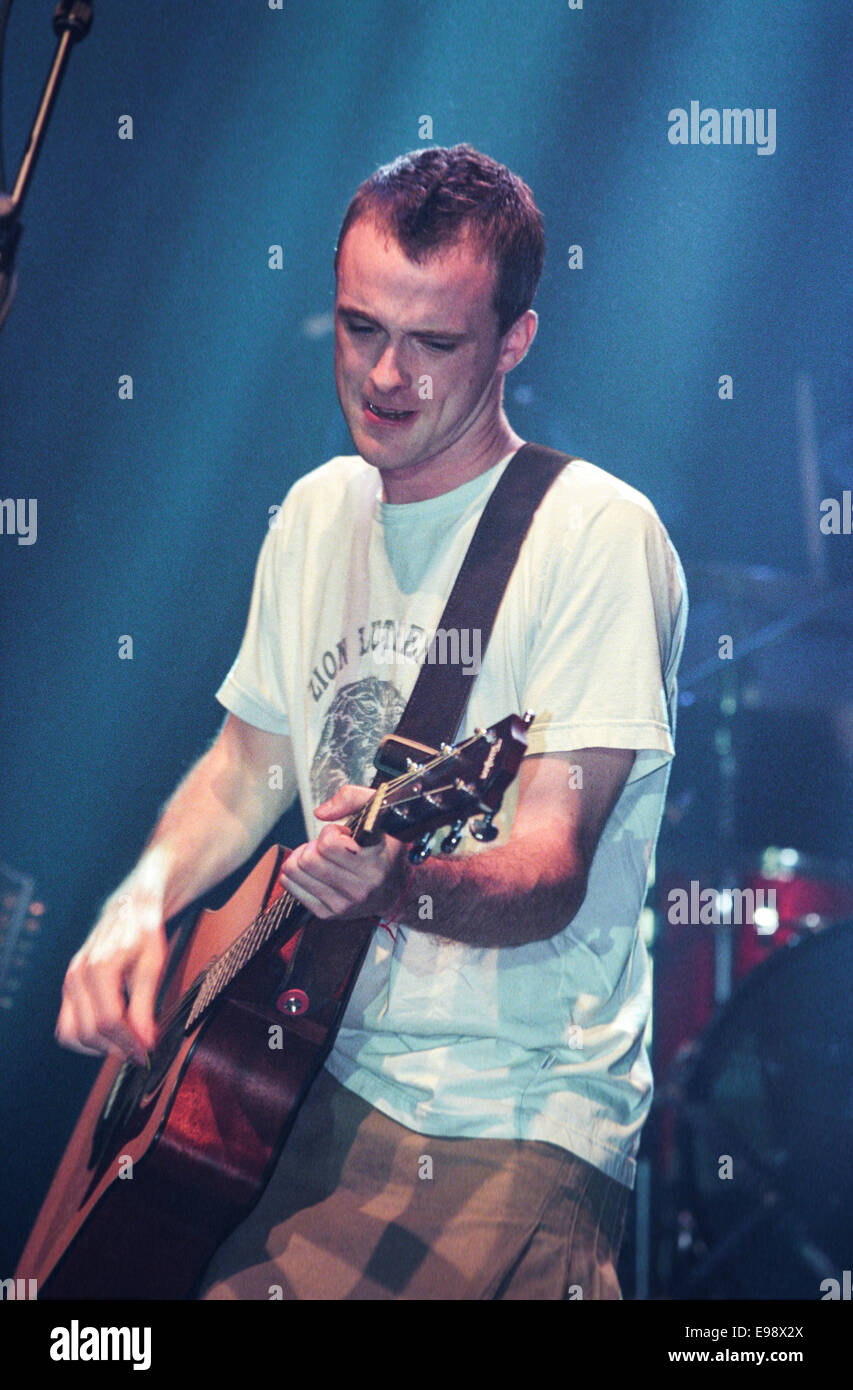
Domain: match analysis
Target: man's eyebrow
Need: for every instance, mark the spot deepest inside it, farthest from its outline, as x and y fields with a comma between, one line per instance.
x=350, y=312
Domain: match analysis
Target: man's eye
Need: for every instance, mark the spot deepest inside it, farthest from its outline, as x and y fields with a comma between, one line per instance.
x=439, y=347
x=359, y=328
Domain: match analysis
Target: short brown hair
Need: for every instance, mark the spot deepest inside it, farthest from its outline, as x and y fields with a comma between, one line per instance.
x=430, y=198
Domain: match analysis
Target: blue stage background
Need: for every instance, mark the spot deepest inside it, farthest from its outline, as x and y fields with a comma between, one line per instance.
x=149, y=256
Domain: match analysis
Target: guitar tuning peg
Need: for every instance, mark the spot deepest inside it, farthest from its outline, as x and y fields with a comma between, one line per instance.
x=483, y=829
x=421, y=849
x=451, y=840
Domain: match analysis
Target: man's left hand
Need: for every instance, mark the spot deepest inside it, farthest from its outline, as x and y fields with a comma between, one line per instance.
x=335, y=877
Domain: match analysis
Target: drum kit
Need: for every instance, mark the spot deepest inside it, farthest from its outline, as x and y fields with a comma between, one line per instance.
x=750, y=1145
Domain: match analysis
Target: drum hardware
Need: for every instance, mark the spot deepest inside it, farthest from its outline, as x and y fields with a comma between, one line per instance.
x=766, y=1085
x=770, y=1205
x=778, y=1229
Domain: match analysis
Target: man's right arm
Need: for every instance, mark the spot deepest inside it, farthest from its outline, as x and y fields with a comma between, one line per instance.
x=215, y=819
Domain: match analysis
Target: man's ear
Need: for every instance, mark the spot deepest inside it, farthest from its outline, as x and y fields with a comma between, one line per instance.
x=517, y=340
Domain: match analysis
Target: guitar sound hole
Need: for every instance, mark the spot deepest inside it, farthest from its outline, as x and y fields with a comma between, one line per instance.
x=166, y=1050
x=121, y=1101
x=135, y=1085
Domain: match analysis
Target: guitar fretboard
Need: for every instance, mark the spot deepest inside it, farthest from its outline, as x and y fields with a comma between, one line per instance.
x=219, y=976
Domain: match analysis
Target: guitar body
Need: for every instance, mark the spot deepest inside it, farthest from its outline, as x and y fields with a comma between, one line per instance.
x=156, y=1175
x=167, y=1159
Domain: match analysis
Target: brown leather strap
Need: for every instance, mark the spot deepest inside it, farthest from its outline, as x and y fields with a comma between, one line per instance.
x=437, y=703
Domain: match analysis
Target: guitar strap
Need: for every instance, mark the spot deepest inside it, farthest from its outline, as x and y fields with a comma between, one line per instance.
x=437, y=703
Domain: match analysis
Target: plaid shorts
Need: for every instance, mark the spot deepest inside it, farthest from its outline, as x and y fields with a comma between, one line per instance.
x=359, y=1207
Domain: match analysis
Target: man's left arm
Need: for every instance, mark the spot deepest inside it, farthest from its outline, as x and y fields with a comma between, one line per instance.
x=524, y=890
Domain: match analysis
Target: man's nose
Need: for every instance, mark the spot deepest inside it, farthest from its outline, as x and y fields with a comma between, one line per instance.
x=389, y=371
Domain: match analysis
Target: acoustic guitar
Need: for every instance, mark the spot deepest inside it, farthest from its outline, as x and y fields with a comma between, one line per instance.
x=167, y=1159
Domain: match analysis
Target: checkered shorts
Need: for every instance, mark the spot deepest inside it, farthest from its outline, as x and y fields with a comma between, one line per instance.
x=359, y=1207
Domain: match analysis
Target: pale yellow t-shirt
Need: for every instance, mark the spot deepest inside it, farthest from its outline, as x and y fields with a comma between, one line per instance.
x=543, y=1041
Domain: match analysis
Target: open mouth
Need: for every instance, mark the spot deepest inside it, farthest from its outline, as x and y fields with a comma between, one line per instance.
x=380, y=412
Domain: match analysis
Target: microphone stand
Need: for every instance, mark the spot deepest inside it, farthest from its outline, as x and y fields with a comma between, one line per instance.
x=72, y=21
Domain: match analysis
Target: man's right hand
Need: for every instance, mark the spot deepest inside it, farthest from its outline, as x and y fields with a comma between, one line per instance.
x=111, y=984
x=213, y=822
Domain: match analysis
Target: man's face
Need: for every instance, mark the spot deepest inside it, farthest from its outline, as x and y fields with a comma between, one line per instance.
x=416, y=349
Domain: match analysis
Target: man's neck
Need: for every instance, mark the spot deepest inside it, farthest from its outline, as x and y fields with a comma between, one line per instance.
x=431, y=477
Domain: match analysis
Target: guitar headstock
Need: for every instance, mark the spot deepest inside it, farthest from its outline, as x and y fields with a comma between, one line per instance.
x=463, y=780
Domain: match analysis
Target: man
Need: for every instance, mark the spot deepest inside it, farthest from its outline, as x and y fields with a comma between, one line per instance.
x=475, y=1129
